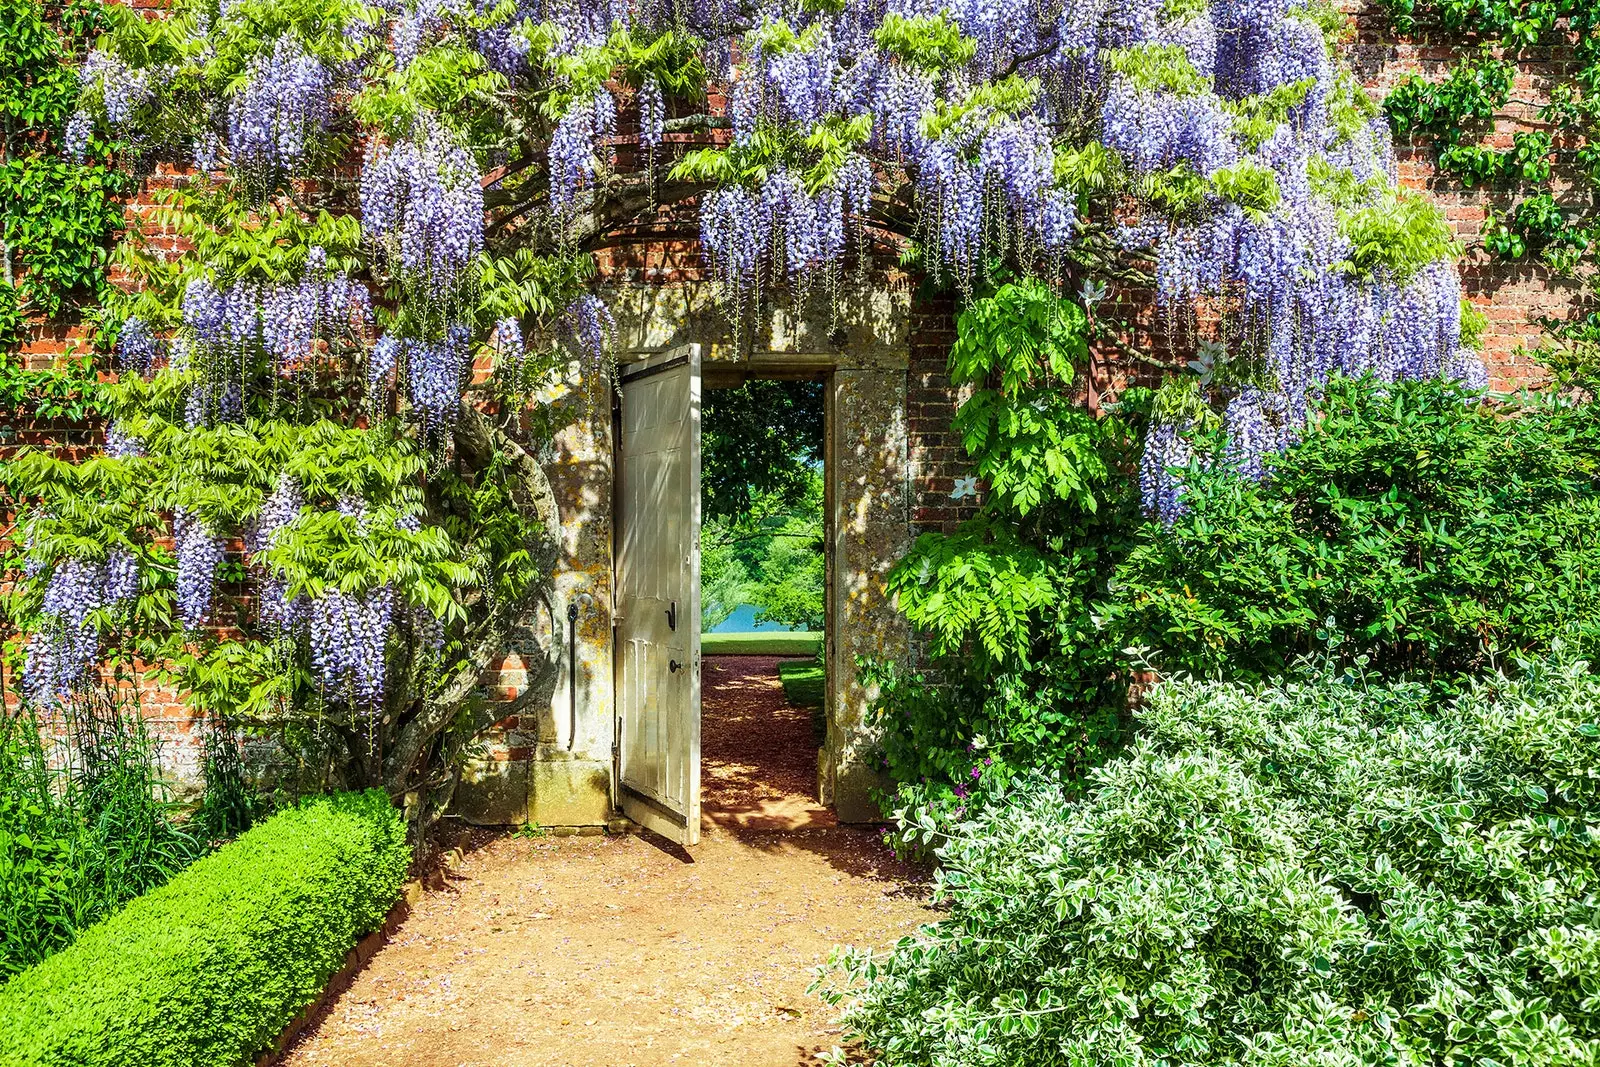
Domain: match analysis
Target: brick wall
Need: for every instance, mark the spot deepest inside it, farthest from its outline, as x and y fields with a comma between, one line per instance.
x=1513, y=296
x=656, y=252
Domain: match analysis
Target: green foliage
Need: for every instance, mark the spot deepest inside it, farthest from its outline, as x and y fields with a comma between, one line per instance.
x=1398, y=235
x=1157, y=68
x=990, y=99
x=1536, y=225
x=1411, y=526
x=1030, y=441
x=70, y=391
x=1258, y=115
x=1249, y=184
x=787, y=586
x=1023, y=674
x=931, y=42
x=56, y=213
x=758, y=439
x=58, y=216
x=37, y=90
x=208, y=969
x=1328, y=871
x=83, y=826
x=1472, y=92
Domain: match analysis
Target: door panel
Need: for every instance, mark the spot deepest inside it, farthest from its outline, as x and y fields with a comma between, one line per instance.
x=658, y=594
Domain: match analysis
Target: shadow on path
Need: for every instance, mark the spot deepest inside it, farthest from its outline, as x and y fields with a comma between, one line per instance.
x=758, y=755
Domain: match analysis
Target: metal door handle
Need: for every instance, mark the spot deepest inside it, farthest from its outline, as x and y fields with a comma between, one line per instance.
x=674, y=666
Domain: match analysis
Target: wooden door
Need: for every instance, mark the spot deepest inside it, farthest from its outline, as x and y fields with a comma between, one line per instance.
x=658, y=594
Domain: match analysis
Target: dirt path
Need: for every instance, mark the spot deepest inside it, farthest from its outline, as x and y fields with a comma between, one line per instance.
x=627, y=951
x=758, y=755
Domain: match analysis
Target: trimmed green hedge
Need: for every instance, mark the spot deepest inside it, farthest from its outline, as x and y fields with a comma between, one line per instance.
x=209, y=968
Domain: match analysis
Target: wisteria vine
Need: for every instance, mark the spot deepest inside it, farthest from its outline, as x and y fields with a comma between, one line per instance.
x=393, y=204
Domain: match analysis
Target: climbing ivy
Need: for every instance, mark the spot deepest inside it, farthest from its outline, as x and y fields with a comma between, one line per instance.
x=57, y=209
x=1536, y=223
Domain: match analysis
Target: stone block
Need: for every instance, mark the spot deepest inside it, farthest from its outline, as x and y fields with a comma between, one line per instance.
x=853, y=787
x=493, y=793
x=573, y=792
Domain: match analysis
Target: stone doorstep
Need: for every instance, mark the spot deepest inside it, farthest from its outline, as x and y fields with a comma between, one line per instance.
x=572, y=792
x=357, y=958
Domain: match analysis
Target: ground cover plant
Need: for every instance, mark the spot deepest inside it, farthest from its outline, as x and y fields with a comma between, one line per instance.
x=209, y=968
x=1325, y=870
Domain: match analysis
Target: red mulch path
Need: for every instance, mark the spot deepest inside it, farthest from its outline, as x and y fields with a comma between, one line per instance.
x=758, y=755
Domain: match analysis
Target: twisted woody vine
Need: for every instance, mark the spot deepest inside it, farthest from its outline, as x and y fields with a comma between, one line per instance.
x=392, y=213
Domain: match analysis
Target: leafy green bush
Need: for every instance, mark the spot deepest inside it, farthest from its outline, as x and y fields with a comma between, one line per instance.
x=1429, y=534
x=1412, y=524
x=1325, y=872
x=209, y=968
x=1023, y=675
x=83, y=828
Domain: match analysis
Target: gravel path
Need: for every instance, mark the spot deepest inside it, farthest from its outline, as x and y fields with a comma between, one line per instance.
x=627, y=950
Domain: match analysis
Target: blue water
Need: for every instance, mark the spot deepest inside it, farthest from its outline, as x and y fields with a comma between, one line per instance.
x=743, y=621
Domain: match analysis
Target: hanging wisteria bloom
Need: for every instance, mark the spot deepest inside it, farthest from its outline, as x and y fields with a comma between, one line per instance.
x=575, y=147
x=283, y=104
x=348, y=635
x=652, y=113
x=436, y=370
x=423, y=202
x=590, y=324
x=138, y=346
x=199, y=555
x=62, y=654
x=1167, y=452
x=123, y=89
x=1257, y=428
x=75, y=138
x=121, y=445
x=278, y=612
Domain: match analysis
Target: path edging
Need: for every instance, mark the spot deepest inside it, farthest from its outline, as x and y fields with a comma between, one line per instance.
x=358, y=957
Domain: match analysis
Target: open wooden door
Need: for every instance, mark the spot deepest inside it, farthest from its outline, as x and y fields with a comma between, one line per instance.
x=658, y=594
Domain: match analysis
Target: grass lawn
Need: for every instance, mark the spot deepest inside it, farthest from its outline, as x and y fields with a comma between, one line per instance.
x=776, y=643
x=802, y=682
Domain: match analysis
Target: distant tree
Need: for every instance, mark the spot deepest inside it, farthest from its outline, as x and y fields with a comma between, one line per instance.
x=758, y=442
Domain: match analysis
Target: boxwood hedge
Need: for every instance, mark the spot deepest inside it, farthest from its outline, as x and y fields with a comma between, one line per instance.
x=209, y=968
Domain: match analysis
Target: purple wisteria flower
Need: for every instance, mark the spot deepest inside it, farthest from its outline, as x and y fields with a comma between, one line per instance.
x=423, y=200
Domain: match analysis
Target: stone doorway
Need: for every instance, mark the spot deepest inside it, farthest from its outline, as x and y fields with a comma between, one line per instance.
x=557, y=768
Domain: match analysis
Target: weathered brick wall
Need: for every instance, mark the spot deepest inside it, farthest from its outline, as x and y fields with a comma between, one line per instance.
x=658, y=253
x=937, y=461
x=1513, y=296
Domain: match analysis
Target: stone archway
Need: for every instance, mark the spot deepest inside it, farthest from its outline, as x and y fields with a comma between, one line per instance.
x=555, y=768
